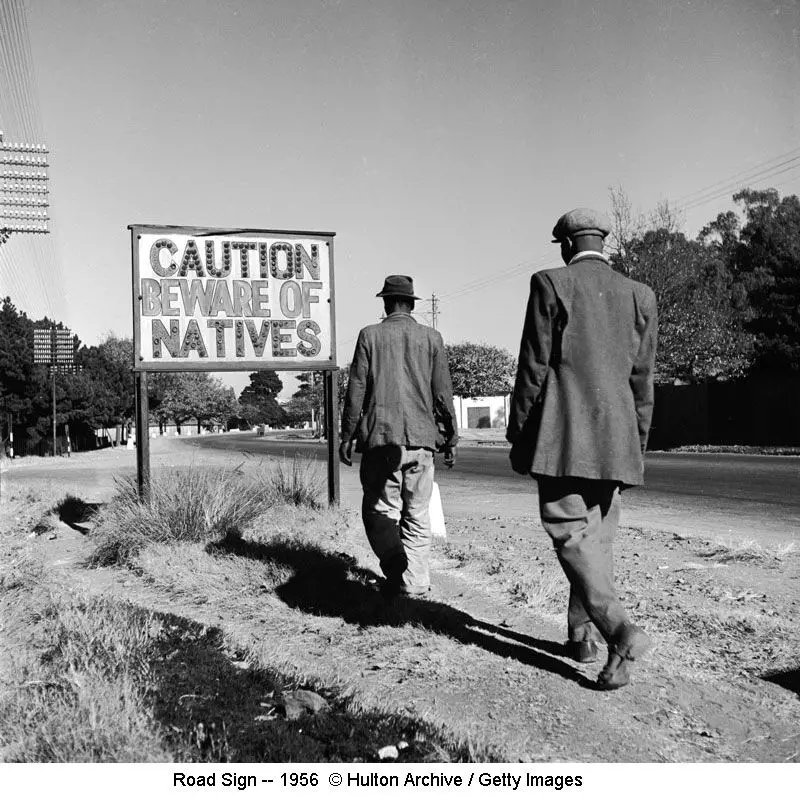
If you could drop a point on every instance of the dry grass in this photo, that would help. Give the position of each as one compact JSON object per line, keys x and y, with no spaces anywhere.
{"x":75,"y":676}
{"x":297,"y":482}
{"x":728,"y":549}
{"x":192,"y":505}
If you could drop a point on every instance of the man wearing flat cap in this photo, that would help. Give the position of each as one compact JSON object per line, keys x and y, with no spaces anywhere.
{"x":398,"y":399}
{"x":580,"y":416}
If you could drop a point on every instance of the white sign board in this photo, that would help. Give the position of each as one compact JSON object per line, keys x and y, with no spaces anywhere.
{"x":212,"y":300}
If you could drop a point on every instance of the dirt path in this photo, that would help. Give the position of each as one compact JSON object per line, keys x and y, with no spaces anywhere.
{"x":483,"y":657}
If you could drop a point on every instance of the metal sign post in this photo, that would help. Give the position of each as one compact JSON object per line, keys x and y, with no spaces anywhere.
{"x":215,"y":299}
{"x":142,"y":437}
{"x":332,"y":435}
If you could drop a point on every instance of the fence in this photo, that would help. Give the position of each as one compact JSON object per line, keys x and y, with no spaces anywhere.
{"x":81,"y":438}
{"x":757,"y":410}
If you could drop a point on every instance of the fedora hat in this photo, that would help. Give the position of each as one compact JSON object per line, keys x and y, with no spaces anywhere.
{"x":398,"y":286}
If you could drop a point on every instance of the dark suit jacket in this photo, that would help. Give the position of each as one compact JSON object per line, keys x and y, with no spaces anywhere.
{"x":399,"y":387}
{"x":583,"y":397}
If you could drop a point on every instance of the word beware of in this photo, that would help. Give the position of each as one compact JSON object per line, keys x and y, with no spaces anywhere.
{"x":230,"y":302}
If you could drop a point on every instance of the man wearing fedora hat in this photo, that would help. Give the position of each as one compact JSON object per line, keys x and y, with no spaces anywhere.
{"x":398,"y":397}
{"x":580,"y":416}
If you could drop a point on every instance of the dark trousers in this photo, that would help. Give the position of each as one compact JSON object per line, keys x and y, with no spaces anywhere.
{"x":581,"y":517}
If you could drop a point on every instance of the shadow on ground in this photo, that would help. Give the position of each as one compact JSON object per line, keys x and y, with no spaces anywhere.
{"x":789,"y":679}
{"x":331,"y":584}
{"x":77,"y":513}
{"x":216,"y":706}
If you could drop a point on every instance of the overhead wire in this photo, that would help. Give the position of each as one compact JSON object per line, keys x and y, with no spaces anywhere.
{"x":731,"y":187}
{"x":758,"y":166}
{"x":33,"y":270}
{"x":756,"y":173}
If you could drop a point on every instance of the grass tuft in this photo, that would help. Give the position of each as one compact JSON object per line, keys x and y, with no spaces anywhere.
{"x":741,"y":550}
{"x":297,"y":482}
{"x":194,"y":505}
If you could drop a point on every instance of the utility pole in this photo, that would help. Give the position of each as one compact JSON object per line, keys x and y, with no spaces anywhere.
{"x":434,"y":310}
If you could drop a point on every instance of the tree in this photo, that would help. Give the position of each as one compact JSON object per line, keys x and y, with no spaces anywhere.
{"x":307,"y":402}
{"x":700,"y":333}
{"x":480,"y":370}
{"x":195,"y":395}
{"x":625,"y":227}
{"x":768,"y":261}
{"x":25,"y":386}
{"x":259,"y":400}
{"x":701,"y":303}
{"x":102,"y":393}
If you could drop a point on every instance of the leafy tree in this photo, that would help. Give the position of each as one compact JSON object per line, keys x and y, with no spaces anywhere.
{"x":768,"y":261}
{"x":259,"y":402}
{"x":102,"y":393}
{"x":480,"y":370}
{"x":217,"y":403}
{"x":195,"y":395}
{"x":701,"y":302}
{"x":701,"y":334}
{"x":25,"y":388}
{"x":308,"y":401}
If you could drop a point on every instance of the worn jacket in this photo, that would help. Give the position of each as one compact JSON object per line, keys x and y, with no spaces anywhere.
{"x":399,"y":387}
{"x":583,"y":397}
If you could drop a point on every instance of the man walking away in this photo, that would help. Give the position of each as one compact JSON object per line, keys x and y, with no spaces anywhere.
{"x":580,"y":416}
{"x":399,"y":389}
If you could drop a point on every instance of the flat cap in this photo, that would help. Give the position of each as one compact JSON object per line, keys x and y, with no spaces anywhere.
{"x":581,"y":220}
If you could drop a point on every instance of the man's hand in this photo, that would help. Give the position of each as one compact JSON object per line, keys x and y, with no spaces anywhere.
{"x":449,"y":456}
{"x":521,"y":458}
{"x":346,"y":453}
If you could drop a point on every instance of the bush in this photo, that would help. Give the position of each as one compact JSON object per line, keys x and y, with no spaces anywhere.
{"x":193,"y":505}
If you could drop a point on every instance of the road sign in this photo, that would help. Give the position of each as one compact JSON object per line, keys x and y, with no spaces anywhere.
{"x":211,"y":299}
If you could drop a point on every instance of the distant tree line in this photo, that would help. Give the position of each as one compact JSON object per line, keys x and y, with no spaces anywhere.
{"x":729,"y":306}
{"x":100,"y":395}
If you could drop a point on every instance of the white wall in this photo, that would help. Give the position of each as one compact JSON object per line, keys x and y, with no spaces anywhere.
{"x":498,"y":410}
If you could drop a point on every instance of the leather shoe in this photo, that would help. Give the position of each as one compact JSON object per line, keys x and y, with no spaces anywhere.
{"x":582,"y":652}
{"x":633,"y":644}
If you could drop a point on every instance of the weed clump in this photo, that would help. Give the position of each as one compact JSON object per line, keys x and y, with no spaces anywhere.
{"x":297,"y":483}
{"x":194,"y":505}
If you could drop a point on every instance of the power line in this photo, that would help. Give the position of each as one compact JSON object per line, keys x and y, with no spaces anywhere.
{"x":758,"y":166}
{"x":757,"y":177}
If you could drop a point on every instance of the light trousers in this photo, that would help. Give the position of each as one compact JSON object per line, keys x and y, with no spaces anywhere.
{"x":581,"y":517}
{"x":397,"y":483}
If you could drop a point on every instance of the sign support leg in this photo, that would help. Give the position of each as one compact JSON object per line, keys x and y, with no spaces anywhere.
{"x":142,"y":438}
{"x":332,"y":435}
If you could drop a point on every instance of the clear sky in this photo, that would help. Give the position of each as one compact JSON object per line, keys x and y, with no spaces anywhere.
{"x":439,"y":139}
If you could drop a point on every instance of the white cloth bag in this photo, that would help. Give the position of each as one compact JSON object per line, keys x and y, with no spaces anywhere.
{"x":438,"y":528}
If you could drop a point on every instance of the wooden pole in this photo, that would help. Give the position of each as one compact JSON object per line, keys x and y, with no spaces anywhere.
{"x":142,"y":438}
{"x":332,"y":435}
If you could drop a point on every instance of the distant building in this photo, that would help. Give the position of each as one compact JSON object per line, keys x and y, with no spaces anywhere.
{"x":482,"y":412}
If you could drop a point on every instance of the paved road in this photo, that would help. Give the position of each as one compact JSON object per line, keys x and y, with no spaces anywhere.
{"x":745,"y":495}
